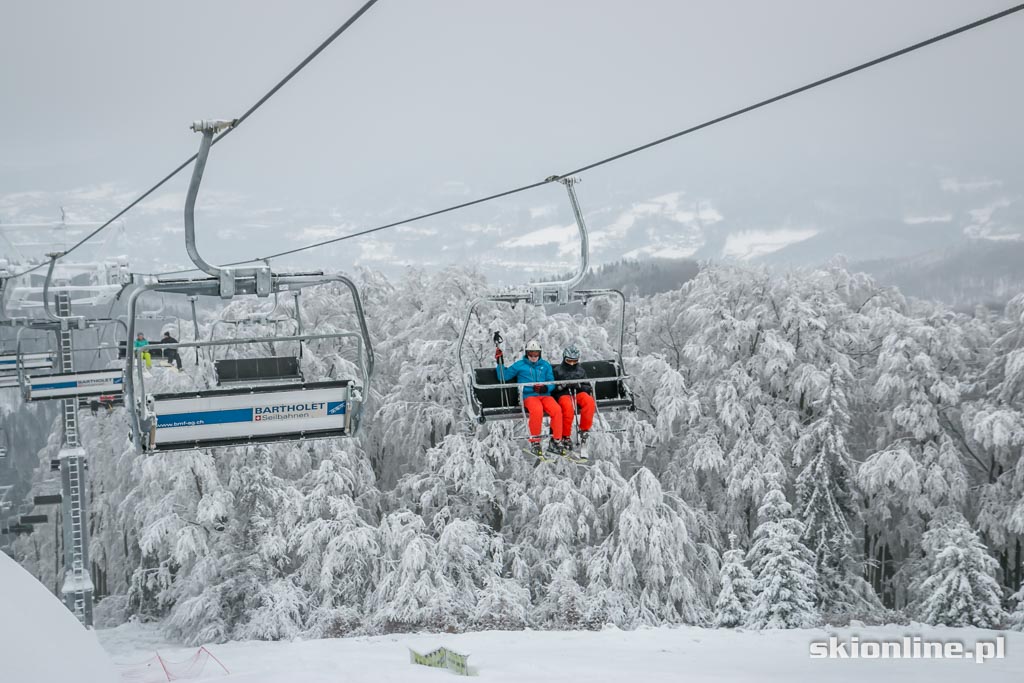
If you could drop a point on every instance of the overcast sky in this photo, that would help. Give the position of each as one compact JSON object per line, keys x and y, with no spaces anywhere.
{"x":422,"y":104}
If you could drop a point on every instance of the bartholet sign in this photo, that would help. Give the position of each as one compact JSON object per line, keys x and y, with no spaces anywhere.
{"x":67,"y":385}
{"x":262,"y":414}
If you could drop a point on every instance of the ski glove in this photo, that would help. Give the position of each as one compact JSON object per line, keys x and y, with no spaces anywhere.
{"x":540,"y":389}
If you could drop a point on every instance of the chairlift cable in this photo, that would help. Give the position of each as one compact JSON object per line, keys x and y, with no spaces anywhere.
{"x":725,"y":117}
{"x":738,"y":112}
{"x":259,"y":103}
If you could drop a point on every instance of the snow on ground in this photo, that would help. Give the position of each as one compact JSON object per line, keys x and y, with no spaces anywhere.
{"x":40,"y":640}
{"x":685,"y":654}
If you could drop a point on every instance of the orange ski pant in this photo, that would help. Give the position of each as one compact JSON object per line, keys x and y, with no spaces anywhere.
{"x":536,"y":406}
{"x":585,"y":404}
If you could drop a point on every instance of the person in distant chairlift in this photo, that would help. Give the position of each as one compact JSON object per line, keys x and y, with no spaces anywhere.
{"x":140,"y":343}
{"x":172,"y":353}
{"x":537,"y":398}
{"x":571,"y":397}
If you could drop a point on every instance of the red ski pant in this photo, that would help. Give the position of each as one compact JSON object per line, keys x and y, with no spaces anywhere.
{"x":536,"y":406}
{"x":585,"y":404}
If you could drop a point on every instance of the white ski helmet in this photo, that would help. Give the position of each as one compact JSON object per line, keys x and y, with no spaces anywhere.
{"x":533,"y":345}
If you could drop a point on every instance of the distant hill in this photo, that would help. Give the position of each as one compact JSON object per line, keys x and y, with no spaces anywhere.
{"x":640,"y":277}
{"x":970,"y":273}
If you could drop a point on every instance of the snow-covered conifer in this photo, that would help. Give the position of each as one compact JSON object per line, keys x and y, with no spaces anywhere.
{"x":737,"y":592}
{"x":1016,"y":619}
{"x":785,"y":582}
{"x":959,"y":588}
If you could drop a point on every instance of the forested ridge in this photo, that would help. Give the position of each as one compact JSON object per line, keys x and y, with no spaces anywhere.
{"x":807,"y":448}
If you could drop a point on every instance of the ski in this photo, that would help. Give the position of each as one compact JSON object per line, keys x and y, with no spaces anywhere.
{"x":537,"y":458}
{"x":575,"y":458}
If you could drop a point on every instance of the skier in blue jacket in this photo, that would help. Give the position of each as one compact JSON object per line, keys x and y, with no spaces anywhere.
{"x":537,"y":398}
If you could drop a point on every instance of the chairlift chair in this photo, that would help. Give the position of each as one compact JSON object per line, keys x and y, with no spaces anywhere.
{"x":258,"y":400}
{"x":16,"y":359}
{"x":155,"y":315}
{"x":487,"y":398}
{"x":75,"y":384}
{"x":107,"y":279}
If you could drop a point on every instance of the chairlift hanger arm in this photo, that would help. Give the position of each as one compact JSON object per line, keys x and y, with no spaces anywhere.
{"x":226,"y":276}
{"x":581,"y":225}
{"x":208,"y":129}
{"x":46,"y":294}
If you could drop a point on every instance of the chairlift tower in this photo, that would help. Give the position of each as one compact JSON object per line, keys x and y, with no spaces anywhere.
{"x":78,"y":587}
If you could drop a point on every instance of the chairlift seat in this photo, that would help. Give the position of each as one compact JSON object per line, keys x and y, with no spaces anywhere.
{"x":499,"y":403}
{"x":272,"y":370}
{"x":502,"y":403}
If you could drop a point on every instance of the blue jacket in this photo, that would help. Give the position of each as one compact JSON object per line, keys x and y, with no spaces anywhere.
{"x":525,"y":370}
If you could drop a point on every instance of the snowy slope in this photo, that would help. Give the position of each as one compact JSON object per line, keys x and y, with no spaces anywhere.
{"x":40,"y":640}
{"x":689,"y":654}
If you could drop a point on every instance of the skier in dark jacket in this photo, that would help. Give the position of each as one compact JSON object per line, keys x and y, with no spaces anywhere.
{"x":574,"y":396}
{"x":171,"y":354}
{"x":537,"y":399}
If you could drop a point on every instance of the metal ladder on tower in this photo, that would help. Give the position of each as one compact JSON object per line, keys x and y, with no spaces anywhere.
{"x":77,"y":590}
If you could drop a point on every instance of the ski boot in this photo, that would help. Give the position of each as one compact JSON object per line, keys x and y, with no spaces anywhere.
{"x":567,"y":445}
{"x":536,"y":451}
{"x":555,"y":447}
{"x":583,"y":438}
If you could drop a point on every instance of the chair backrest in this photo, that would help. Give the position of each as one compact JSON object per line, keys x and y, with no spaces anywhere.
{"x":494,"y":398}
{"x":607,"y":390}
{"x":272,"y":369}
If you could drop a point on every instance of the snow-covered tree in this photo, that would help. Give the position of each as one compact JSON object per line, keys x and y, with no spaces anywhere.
{"x":736,"y":595}
{"x":654,"y":557}
{"x":959,"y":588}
{"x":335,"y":542}
{"x":824,"y":490}
{"x":411,"y":592}
{"x":1016,"y":619}
{"x":873,"y":411}
{"x":785,"y":583}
